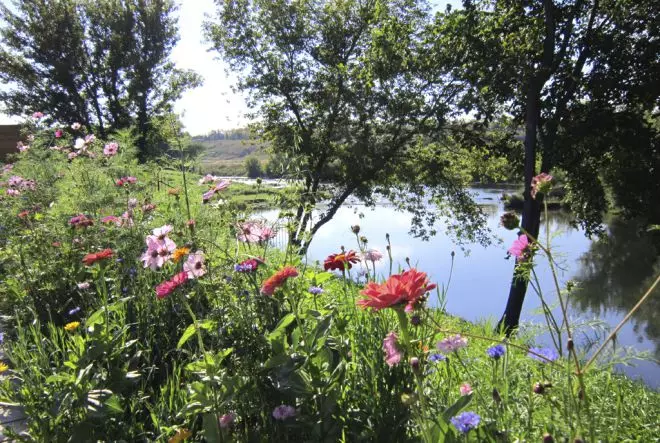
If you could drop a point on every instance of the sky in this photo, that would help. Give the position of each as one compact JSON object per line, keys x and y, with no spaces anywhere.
{"x":213,"y":105}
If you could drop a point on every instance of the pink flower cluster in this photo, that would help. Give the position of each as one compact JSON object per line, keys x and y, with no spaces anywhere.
{"x":130,"y":180}
{"x":17,"y":184}
{"x":6,"y":168}
{"x":372,"y":255}
{"x":217,"y":187}
{"x":159,"y":248}
{"x":255,"y":232}
{"x":282,"y":412}
{"x":21,"y":147}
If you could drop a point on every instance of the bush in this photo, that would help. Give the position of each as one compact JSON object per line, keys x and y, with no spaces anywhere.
{"x":253,"y":167}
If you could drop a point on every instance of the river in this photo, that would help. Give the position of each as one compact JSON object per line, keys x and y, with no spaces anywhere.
{"x":611,"y":274}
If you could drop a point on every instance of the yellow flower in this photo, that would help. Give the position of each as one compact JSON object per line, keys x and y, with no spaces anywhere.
{"x":72,"y":326}
{"x":179,"y":253}
{"x":180,"y":436}
{"x":3,"y":367}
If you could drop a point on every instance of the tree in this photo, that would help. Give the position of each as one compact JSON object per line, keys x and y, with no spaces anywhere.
{"x":578,"y":75}
{"x":345,"y":96}
{"x":253,"y":167}
{"x":103,"y":63}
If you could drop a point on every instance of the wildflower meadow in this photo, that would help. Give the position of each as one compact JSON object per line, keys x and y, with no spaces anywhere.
{"x":140,"y":303}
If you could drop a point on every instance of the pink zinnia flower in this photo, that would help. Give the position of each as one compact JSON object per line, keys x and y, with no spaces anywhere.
{"x":278,"y":279}
{"x":58,"y":133}
{"x":227,"y":420}
{"x":166,"y":288}
{"x":452,"y":343}
{"x":520,"y":247}
{"x":194,"y":265}
{"x":110,"y":149}
{"x":392,"y":353}
{"x":37,"y":115}
{"x":158,"y":252}
{"x":80,"y":221}
{"x":465,"y":389}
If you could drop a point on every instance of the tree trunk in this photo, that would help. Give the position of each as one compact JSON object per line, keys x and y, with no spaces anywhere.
{"x":531,"y":216}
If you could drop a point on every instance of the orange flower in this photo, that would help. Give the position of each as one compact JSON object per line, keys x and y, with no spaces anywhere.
{"x":90,"y":259}
{"x":181,"y":435}
{"x":278,"y":279}
{"x":406,"y":288}
{"x":340,"y":261}
{"x":180,"y":253}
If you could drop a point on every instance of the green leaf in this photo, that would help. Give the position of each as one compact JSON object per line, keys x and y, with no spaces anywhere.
{"x":281,"y":327}
{"x":113,"y":405}
{"x":456,"y":407}
{"x":189,"y":332}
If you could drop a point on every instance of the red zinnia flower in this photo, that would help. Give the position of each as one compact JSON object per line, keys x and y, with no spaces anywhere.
{"x":166,"y":288}
{"x":92,"y":258}
{"x":340,"y":261}
{"x":278,"y":279}
{"x":406,"y":288}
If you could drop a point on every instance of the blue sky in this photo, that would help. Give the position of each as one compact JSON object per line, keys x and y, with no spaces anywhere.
{"x":213,"y":105}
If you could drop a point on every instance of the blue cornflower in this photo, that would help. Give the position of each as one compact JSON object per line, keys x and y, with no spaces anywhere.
{"x":550,"y":354}
{"x":466,"y":421}
{"x":496,"y":351}
{"x":315,"y":290}
{"x":2,"y":337}
{"x":436,"y":358}
{"x":74,"y":311}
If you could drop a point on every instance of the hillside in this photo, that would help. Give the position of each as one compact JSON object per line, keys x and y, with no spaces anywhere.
{"x":227,"y":157}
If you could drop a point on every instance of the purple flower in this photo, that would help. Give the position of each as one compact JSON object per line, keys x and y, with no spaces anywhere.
{"x":496,"y":351}
{"x":548,"y":354}
{"x":435,"y":358}
{"x":282,"y":412}
{"x":226,"y":420}
{"x":74,"y":311}
{"x":465,"y":421}
{"x":452,"y":343}
{"x":392,"y":353}
{"x":315,"y":290}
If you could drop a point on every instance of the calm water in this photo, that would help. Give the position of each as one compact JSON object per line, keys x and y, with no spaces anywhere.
{"x":612,"y":274}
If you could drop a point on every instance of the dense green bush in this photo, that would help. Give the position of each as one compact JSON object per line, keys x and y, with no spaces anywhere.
{"x":94,"y":353}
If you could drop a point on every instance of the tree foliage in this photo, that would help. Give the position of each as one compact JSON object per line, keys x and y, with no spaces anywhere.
{"x":345,"y":94}
{"x":102,"y":63}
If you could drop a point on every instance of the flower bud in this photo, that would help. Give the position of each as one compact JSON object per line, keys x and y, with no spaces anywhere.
{"x":364,"y":239}
{"x":509,"y":220}
{"x":355,"y":229}
{"x":547,"y":438}
{"x":496,"y":396}
{"x":570,"y":344}
{"x":414,"y":364}
{"x":539,"y":388}
{"x":415,"y":320}
{"x":387,"y":236}
{"x":407,"y":399}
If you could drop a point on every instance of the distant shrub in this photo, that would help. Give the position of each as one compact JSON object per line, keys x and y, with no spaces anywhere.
{"x":253,"y":167}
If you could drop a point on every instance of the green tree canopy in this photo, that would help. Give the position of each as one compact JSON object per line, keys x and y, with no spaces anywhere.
{"x":344,"y":93}
{"x":102,"y":63}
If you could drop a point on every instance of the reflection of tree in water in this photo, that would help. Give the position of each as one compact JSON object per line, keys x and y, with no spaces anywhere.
{"x":616,"y":271}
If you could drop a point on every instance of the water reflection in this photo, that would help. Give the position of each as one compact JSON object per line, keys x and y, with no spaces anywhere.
{"x":613,"y":274}
{"x":616,"y":271}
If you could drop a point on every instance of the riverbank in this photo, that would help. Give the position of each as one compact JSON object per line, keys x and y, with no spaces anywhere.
{"x":142,"y":306}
